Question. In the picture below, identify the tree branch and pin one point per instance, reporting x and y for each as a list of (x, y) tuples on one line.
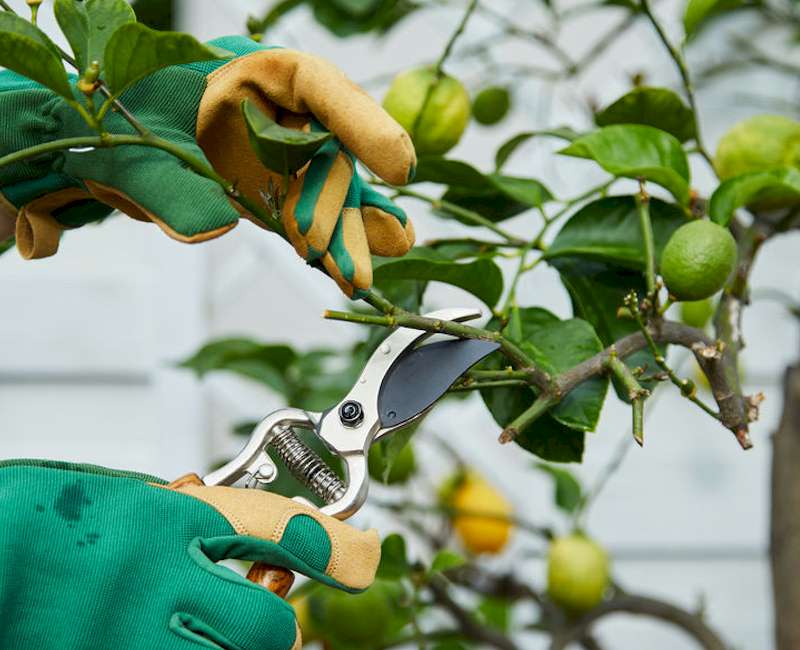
[(469, 627), (642, 606)]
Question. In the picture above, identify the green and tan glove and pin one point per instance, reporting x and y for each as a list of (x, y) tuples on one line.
[(97, 558), (330, 214)]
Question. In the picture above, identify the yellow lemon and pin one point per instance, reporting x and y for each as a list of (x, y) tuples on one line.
[(489, 529)]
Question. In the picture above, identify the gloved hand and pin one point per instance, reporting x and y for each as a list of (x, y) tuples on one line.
[(96, 558), (329, 214)]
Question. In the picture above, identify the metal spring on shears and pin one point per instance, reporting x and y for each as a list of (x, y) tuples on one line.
[(306, 466)]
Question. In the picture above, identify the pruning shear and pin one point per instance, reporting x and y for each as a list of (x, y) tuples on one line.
[(401, 381)]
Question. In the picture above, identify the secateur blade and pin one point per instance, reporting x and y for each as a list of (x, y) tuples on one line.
[(422, 375)]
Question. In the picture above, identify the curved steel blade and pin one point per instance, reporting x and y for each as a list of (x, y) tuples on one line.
[(422, 375)]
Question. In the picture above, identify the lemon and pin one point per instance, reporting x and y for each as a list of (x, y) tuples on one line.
[(481, 534), (404, 465), (697, 313), (758, 144), (697, 260), (491, 105), (361, 620), (577, 572), (434, 110)]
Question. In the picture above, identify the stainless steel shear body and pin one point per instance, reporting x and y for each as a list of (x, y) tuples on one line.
[(399, 384)]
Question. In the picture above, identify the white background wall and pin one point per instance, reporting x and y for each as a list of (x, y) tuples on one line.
[(91, 335)]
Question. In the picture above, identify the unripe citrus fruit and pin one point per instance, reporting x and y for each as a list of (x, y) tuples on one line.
[(304, 620), (697, 313), (697, 260), (488, 530), (758, 144), (434, 110), (404, 465), (491, 105), (355, 620), (577, 572)]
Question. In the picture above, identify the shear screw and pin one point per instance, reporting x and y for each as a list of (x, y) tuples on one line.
[(351, 413)]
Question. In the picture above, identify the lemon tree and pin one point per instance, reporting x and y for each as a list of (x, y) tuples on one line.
[(649, 216)]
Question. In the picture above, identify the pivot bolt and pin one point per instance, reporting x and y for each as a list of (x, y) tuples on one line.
[(351, 413)]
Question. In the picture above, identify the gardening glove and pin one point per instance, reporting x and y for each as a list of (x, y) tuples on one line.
[(98, 558), (329, 215)]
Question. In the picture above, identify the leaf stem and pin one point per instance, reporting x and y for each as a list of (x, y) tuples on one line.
[(448, 48), (646, 225), (636, 392), (683, 70), (539, 407), (686, 386), (401, 318)]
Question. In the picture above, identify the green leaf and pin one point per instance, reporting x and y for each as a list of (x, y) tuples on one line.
[(568, 492), (278, 148), (482, 278), (89, 25), (26, 50), (445, 560), (556, 346), (394, 563), (608, 230), (510, 146), (495, 612), (657, 107), (275, 13), (561, 345), (135, 51), (435, 169), (157, 14), (494, 196), (777, 187), (384, 15), (263, 363), (637, 151), (597, 290), (357, 8), (700, 12), (7, 245)]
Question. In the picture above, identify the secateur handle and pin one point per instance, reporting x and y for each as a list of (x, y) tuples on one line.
[(274, 578)]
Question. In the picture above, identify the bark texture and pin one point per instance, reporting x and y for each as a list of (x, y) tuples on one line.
[(785, 517)]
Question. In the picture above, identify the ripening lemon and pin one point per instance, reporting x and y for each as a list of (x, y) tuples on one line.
[(577, 572), (362, 620), (759, 144), (491, 105), (481, 534), (697, 260), (303, 616), (434, 110)]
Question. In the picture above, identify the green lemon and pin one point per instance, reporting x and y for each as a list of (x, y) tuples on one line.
[(491, 105), (577, 572), (361, 620), (697, 313), (697, 260), (758, 144), (434, 110), (403, 467)]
